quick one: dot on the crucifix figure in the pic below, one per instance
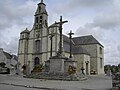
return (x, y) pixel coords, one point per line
(70, 36)
(60, 30)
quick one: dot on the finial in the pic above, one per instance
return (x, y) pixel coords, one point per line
(41, 1)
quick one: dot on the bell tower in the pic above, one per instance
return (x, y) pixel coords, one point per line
(41, 19)
(40, 27)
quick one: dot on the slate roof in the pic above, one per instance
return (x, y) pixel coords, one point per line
(8, 56)
(66, 39)
(84, 40)
(75, 50)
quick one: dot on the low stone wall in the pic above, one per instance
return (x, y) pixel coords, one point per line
(57, 76)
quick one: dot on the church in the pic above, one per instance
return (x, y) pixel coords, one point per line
(37, 45)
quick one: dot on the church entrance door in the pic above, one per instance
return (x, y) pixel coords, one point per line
(36, 61)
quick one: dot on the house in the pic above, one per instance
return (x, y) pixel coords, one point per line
(9, 60)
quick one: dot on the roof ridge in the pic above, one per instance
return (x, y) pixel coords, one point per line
(82, 36)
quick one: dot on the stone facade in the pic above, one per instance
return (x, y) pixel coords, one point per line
(83, 61)
(35, 45)
(96, 57)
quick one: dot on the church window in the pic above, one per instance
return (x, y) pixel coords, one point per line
(37, 44)
(101, 62)
(22, 36)
(36, 61)
(46, 23)
(37, 35)
(36, 19)
(40, 17)
(40, 26)
(39, 9)
(100, 50)
(41, 21)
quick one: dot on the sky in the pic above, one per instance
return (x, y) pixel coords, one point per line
(100, 18)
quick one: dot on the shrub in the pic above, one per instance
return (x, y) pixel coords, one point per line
(71, 70)
(38, 68)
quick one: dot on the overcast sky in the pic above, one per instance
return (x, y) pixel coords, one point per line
(100, 18)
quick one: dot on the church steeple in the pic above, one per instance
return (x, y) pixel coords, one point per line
(41, 15)
(41, 8)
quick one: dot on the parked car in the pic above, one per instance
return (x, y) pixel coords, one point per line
(4, 70)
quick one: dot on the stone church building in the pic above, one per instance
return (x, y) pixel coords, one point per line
(35, 45)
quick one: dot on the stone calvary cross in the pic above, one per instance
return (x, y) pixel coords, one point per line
(60, 51)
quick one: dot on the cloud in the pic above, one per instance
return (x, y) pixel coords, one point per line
(90, 3)
(12, 14)
(107, 21)
(73, 5)
(95, 31)
(14, 18)
(105, 28)
(11, 46)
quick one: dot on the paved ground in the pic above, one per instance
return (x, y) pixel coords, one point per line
(15, 82)
(10, 87)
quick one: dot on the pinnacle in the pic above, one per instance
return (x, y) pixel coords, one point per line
(41, 1)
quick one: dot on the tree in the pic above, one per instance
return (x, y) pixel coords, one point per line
(113, 68)
(119, 67)
(106, 68)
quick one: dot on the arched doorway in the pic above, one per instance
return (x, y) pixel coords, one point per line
(36, 61)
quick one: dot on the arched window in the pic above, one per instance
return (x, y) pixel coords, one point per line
(39, 9)
(40, 17)
(36, 61)
(22, 36)
(36, 19)
(40, 21)
(37, 44)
